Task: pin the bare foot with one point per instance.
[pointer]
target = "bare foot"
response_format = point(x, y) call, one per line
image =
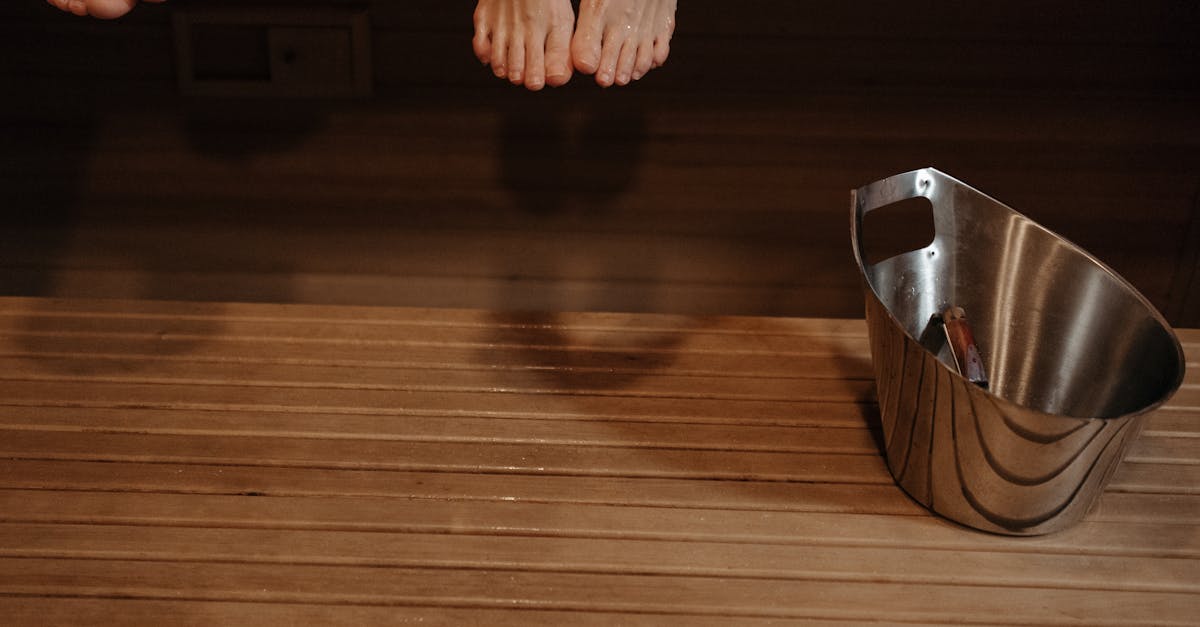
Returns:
point(103, 9)
point(621, 40)
point(526, 41)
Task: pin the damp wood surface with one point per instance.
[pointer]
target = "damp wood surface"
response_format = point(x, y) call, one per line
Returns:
point(218, 463)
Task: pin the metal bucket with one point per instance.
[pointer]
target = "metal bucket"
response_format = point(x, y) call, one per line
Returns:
point(1076, 359)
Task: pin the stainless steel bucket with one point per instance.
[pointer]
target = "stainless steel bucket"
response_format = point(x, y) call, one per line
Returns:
point(1076, 358)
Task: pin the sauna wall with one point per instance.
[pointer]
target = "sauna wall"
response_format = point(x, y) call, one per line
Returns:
point(718, 184)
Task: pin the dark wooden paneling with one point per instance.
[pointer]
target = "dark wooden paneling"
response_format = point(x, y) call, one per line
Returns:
point(718, 184)
point(1184, 303)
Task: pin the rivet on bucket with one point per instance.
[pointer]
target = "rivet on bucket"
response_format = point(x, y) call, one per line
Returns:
point(1075, 359)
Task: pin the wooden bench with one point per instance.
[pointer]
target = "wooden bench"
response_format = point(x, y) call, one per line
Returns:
point(218, 464)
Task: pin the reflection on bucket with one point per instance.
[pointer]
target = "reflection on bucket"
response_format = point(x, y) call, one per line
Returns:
point(1075, 359)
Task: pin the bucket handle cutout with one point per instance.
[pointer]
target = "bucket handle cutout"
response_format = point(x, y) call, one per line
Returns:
point(903, 199)
point(896, 229)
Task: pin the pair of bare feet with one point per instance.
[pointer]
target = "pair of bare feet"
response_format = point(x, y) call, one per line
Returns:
point(538, 42)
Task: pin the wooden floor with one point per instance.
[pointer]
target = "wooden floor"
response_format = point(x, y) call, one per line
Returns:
point(215, 464)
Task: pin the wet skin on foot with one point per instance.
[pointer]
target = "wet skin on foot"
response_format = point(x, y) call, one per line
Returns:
point(622, 40)
point(526, 41)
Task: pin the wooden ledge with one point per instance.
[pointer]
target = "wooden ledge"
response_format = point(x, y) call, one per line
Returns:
point(259, 464)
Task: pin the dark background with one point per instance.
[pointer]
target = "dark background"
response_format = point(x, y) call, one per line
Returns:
point(717, 184)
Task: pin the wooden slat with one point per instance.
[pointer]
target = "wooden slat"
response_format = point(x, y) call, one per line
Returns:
point(844, 412)
point(117, 349)
point(449, 457)
point(540, 554)
point(364, 326)
point(505, 518)
point(615, 491)
point(558, 591)
point(564, 431)
point(90, 370)
point(187, 613)
point(1117, 506)
point(416, 428)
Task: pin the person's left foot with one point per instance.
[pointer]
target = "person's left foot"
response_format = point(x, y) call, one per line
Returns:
point(103, 9)
point(621, 40)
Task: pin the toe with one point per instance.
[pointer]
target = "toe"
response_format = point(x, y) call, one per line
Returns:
point(663, 28)
point(482, 43)
point(644, 61)
point(585, 54)
point(662, 48)
point(607, 70)
point(483, 48)
point(500, 54)
point(558, 55)
point(76, 6)
point(535, 64)
point(516, 59)
point(589, 34)
point(626, 61)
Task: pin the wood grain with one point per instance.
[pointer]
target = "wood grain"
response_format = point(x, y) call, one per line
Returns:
point(242, 463)
point(717, 185)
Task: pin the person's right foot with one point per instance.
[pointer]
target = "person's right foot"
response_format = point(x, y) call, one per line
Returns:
point(621, 40)
point(526, 41)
